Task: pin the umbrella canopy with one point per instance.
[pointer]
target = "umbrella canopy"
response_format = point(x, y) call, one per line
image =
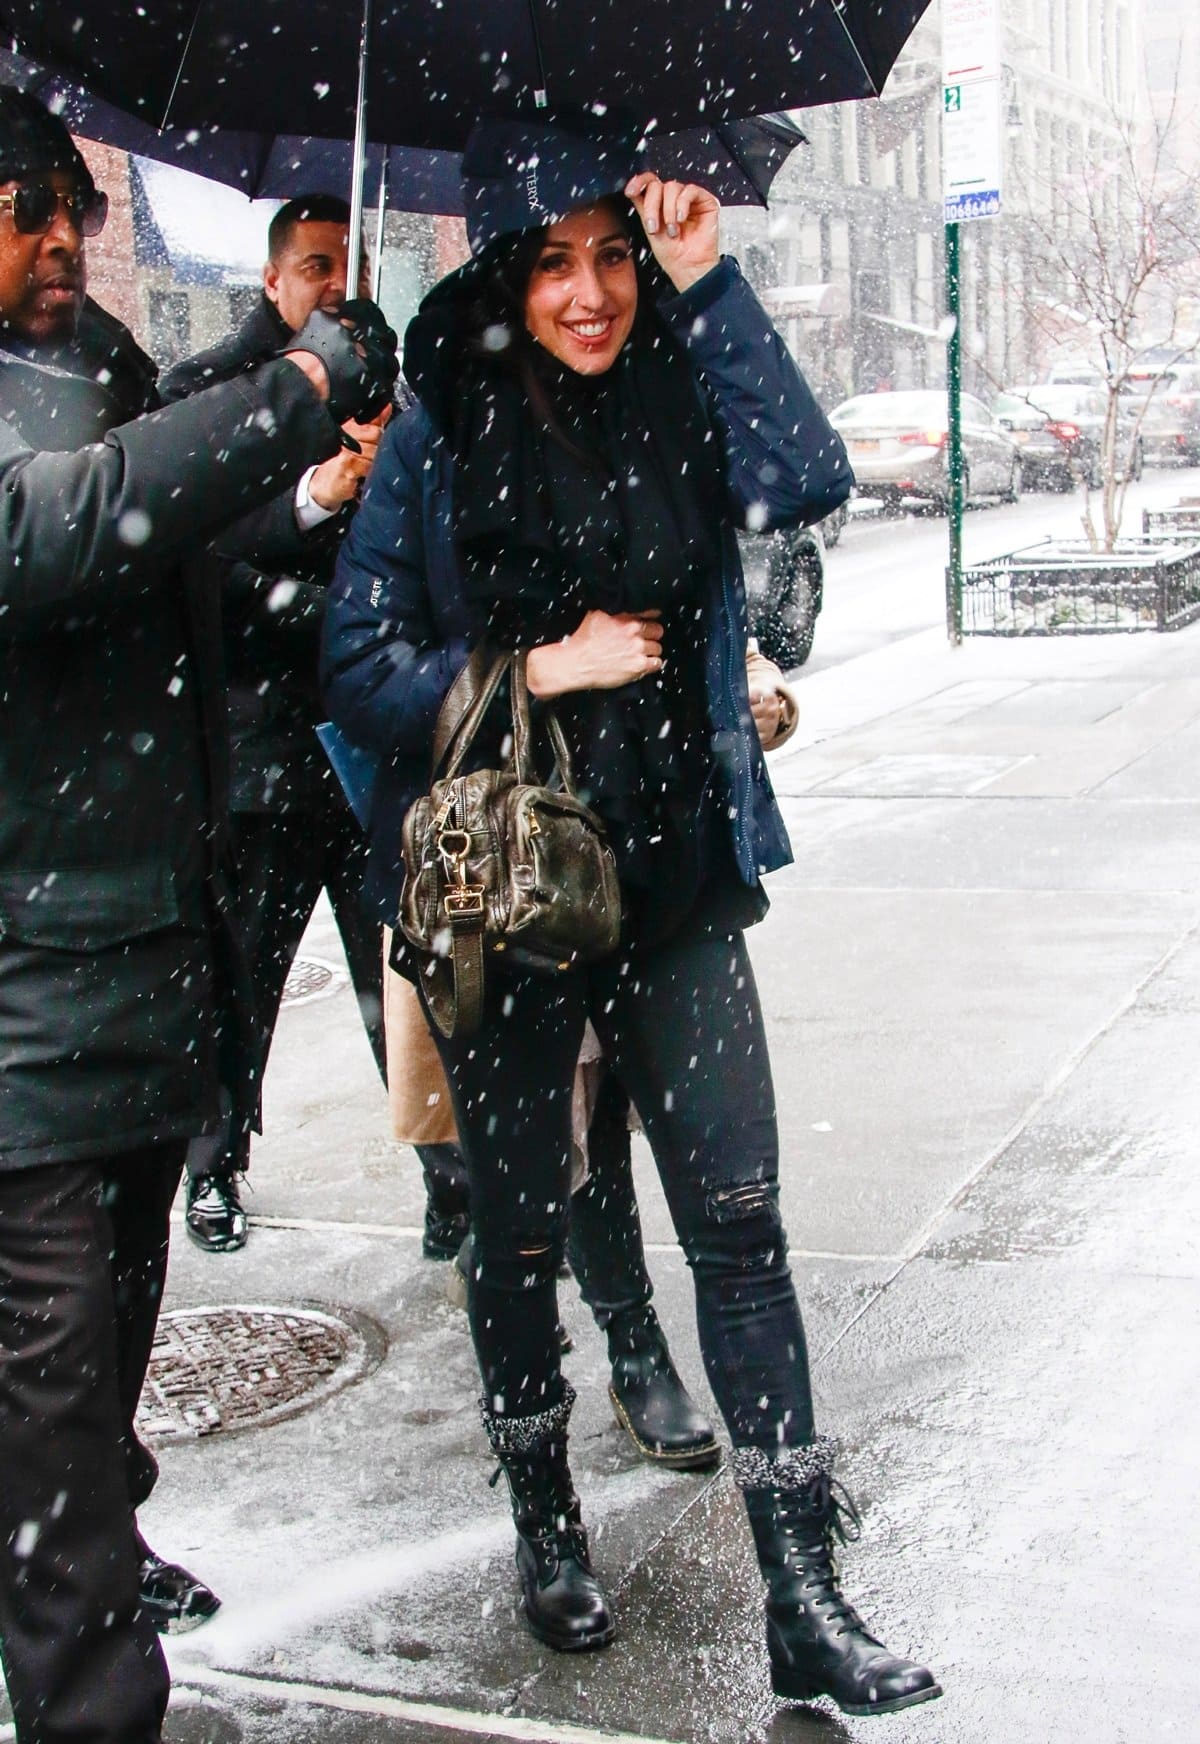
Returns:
point(738, 161)
point(435, 69)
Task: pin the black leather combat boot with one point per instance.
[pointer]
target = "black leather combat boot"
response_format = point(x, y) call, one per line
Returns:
point(819, 1645)
point(650, 1401)
point(564, 1602)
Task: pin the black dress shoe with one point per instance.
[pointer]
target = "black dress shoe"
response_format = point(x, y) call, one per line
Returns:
point(659, 1415)
point(174, 1599)
point(215, 1219)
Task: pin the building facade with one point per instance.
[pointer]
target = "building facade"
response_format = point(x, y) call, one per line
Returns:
point(860, 208)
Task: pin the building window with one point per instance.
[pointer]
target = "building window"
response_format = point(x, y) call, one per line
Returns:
point(170, 326)
point(243, 300)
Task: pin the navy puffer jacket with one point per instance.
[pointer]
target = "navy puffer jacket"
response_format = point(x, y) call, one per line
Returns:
point(396, 624)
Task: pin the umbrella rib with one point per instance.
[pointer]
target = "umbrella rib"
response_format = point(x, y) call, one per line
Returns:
point(839, 8)
point(542, 95)
point(182, 62)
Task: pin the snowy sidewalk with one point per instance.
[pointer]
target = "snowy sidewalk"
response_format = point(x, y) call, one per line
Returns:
point(981, 979)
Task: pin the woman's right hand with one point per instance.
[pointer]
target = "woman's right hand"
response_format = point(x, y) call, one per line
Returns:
point(605, 652)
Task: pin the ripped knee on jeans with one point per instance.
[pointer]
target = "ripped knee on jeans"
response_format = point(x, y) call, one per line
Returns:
point(751, 1235)
point(739, 1201)
point(519, 1259)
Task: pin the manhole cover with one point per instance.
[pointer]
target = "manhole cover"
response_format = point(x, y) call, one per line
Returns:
point(215, 1369)
point(311, 978)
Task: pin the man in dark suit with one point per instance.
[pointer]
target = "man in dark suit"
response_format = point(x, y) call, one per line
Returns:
point(294, 835)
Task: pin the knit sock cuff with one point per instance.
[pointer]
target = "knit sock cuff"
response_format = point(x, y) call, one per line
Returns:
point(784, 1468)
point(523, 1434)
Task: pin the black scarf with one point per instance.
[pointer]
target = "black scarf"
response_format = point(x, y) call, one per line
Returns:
point(606, 495)
point(602, 492)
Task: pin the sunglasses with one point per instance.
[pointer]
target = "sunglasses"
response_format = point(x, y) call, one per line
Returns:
point(34, 207)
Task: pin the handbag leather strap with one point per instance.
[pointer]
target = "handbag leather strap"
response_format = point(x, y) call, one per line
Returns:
point(468, 700)
point(466, 964)
point(465, 702)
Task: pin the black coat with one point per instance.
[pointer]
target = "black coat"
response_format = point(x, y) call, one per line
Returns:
point(272, 624)
point(113, 746)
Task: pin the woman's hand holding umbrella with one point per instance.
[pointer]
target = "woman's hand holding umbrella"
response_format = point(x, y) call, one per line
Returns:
point(682, 225)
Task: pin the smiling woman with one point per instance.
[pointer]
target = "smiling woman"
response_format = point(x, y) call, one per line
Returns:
point(582, 294)
point(600, 402)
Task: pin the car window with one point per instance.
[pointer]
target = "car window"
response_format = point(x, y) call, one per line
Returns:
point(975, 410)
point(1055, 401)
point(897, 411)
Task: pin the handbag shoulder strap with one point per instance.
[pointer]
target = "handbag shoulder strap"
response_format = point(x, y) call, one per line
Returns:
point(468, 700)
point(523, 731)
point(465, 705)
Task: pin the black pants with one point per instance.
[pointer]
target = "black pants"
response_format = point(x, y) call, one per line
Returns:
point(682, 1031)
point(604, 1237)
point(284, 860)
point(83, 1257)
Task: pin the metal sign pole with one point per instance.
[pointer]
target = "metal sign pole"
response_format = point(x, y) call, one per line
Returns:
point(954, 452)
point(972, 165)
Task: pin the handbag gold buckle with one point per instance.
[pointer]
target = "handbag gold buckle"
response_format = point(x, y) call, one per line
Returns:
point(464, 901)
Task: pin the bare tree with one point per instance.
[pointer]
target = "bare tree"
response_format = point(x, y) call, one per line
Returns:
point(1112, 248)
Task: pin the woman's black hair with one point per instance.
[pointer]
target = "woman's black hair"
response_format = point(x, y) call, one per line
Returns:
point(494, 329)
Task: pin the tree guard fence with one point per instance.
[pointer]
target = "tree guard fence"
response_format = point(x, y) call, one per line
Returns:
point(1062, 587)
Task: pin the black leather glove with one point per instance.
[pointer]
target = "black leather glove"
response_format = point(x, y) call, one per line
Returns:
point(360, 360)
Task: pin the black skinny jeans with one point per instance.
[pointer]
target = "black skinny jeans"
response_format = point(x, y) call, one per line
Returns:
point(682, 1030)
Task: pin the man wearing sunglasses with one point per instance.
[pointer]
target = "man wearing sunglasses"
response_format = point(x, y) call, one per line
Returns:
point(115, 943)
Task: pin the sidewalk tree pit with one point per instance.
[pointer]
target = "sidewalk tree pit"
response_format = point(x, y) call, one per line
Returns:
point(1065, 587)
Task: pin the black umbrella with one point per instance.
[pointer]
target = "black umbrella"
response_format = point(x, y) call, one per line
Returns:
point(266, 67)
point(738, 161)
point(427, 70)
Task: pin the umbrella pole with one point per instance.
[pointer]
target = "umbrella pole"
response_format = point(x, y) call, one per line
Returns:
point(358, 168)
point(377, 262)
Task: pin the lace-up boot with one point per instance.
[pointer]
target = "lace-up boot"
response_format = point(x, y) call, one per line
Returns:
point(564, 1602)
point(818, 1643)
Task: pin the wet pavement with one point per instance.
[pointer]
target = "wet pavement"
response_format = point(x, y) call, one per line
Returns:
point(982, 983)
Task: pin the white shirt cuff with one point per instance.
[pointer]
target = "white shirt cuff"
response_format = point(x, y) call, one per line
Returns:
point(308, 513)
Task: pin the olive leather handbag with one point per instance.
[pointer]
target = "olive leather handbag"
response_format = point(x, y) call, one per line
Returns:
point(498, 868)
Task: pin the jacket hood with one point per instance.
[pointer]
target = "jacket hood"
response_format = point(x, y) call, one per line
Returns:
point(517, 176)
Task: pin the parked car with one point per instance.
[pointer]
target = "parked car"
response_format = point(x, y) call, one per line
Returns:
point(897, 443)
point(1075, 372)
point(1167, 399)
point(1059, 430)
point(785, 585)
